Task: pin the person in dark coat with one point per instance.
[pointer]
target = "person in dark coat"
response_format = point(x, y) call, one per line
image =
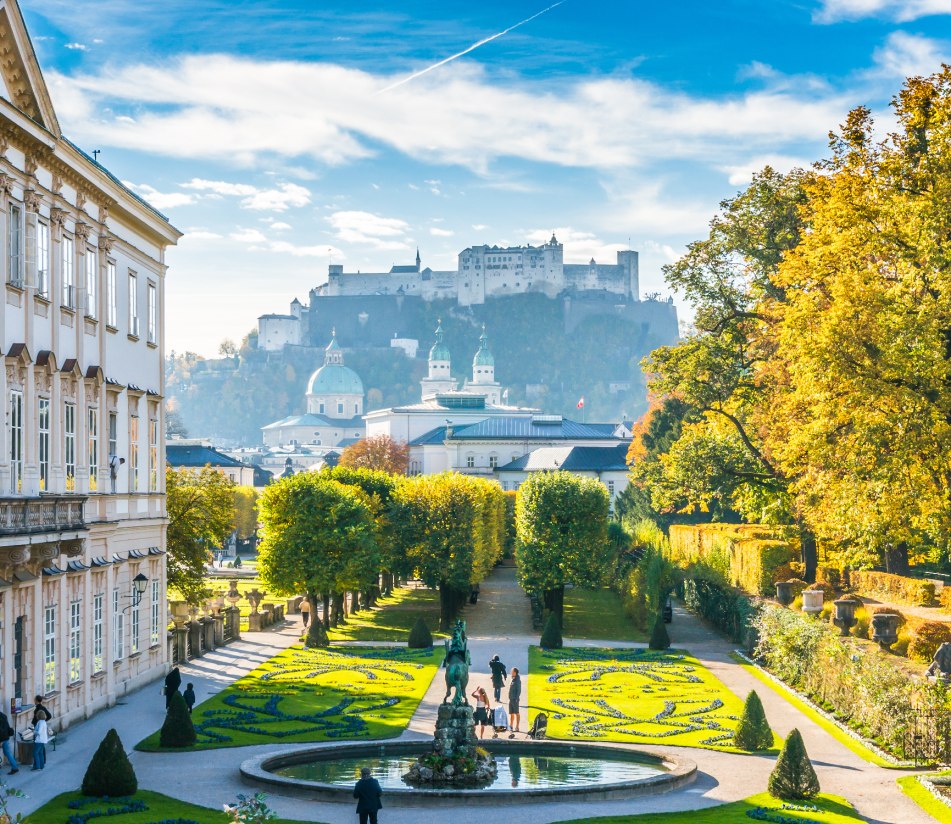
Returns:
point(7, 739)
point(498, 676)
point(515, 695)
point(172, 682)
point(367, 792)
point(40, 713)
point(189, 696)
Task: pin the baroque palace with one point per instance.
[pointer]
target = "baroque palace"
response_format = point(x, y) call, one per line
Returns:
point(82, 513)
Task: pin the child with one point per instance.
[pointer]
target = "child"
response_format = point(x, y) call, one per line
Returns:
point(189, 696)
point(40, 737)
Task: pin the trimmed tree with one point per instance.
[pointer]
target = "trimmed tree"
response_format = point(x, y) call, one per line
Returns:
point(561, 522)
point(551, 634)
point(793, 777)
point(753, 732)
point(659, 637)
point(110, 772)
point(178, 730)
point(419, 636)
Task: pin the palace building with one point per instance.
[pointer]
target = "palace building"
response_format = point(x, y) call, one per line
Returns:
point(83, 612)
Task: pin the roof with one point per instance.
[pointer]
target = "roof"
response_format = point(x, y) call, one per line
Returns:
point(439, 352)
point(335, 379)
point(194, 455)
point(404, 270)
point(483, 357)
point(310, 419)
point(537, 427)
point(571, 459)
point(434, 436)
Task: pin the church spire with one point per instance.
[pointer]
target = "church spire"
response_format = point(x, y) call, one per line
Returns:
point(418, 259)
point(333, 353)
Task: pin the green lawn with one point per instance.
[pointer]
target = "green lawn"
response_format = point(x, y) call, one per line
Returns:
point(597, 615)
point(632, 695)
point(316, 695)
point(914, 789)
point(392, 618)
point(159, 808)
point(827, 809)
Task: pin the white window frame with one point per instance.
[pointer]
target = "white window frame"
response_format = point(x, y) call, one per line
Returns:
point(68, 271)
point(15, 245)
point(152, 308)
point(69, 444)
point(75, 642)
point(16, 440)
point(92, 281)
point(112, 318)
point(98, 634)
point(92, 430)
point(49, 648)
point(118, 628)
point(153, 454)
point(44, 412)
point(133, 453)
point(43, 259)
point(156, 613)
point(136, 625)
point(133, 304)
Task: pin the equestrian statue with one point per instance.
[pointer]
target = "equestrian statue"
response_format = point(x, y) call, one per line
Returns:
point(457, 663)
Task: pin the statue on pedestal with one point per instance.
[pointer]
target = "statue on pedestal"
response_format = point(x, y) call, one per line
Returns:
point(457, 663)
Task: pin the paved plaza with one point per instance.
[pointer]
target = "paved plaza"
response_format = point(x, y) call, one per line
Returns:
point(499, 624)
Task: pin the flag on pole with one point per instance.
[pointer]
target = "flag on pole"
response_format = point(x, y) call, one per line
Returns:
point(581, 403)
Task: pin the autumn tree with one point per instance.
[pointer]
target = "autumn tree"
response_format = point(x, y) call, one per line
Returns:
point(378, 452)
point(200, 509)
point(561, 522)
point(245, 512)
point(319, 536)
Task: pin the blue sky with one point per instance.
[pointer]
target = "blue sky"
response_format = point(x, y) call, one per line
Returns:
point(268, 132)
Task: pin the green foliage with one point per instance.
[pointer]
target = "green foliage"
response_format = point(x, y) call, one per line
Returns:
point(926, 638)
point(753, 732)
point(793, 777)
point(110, 772)
point(726, 608)
point(659, 637)
point(245, 511)
point(897, 589)
point(178, 729)
point(551, 634)
point(648, 583)
point(419, 636)
point(201, 514)
point(250, 809)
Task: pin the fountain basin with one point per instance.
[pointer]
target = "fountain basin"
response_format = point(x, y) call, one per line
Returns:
point(549, 771)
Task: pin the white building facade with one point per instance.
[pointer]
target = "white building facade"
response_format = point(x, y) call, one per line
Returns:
point(82, 511)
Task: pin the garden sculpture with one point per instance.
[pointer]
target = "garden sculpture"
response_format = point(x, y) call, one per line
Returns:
point(457, 663)
point(940, 668)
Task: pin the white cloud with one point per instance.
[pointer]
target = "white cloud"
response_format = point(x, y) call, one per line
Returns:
point(77, 46)
point(280, 199)
point(160, 200)
point(479, 227)
point(437, 232)
point(200, 234)
point(248, 236)
point(220, 187)
point(366, 228)
point(580, 246)
point(901, 11)
point(283, 247)
point(280, 226)
point(230, 108)
point(905, 55)
point(742, 173)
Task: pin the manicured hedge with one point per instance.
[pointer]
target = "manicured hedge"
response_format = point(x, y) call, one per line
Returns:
point(729, 610)
point(895, 588)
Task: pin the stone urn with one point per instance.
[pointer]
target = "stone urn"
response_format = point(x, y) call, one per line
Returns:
point(254, 598)
point(812, 601)
point(844, 616)
point(784, 592)
point(885, 628)
point(233, 595)
point(179, 611)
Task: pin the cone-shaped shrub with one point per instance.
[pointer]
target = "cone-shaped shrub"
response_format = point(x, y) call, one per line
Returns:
point(753, 732)
point(793, 777)
point(551, 634)
point(419, 636)
point(178, 730)
point(659, 637)
point(110, 773)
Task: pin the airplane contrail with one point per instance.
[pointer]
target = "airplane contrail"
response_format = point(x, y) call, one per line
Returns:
point(471, 48)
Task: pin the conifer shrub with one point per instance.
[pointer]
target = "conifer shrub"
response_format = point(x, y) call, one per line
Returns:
point(793, 777)
point(178, 730)
point(419, 636)
point(551, 634)
point(753, 732)
point(659, 637)
point(110, 772)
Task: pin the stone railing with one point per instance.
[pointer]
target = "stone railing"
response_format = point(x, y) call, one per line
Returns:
point(48, 513)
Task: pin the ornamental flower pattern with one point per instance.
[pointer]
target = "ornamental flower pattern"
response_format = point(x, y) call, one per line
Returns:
point(636, 694)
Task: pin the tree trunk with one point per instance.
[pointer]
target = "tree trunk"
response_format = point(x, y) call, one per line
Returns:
point(326, 610)
point(896, 558)
point(450, 600)
point(386, 583)
point(354, 602)
point(809, 553)
point(316, 632)
point(338, 616)
point(555, 602)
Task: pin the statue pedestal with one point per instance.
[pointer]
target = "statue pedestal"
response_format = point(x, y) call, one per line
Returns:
point(455, 759)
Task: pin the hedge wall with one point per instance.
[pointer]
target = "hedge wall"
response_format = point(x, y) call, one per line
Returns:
point(753, 554)
point(895, 588)
point(726, 608)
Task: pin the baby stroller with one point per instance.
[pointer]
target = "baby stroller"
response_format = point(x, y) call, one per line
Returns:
point(500, 721)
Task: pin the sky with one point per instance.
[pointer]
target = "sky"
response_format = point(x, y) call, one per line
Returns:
point(284, 135)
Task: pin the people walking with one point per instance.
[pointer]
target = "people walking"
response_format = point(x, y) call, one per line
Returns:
point(41, 736)
point(515, 695)
point(7, 739)
point(305, 611)
point(172, 682)
point(481, 714)
point(40, 711)
point(367, 791)
point(189, 696)
point(499, 673)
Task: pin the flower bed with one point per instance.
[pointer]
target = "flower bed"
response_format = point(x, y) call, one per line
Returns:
point(316, 695)
point(633, 695)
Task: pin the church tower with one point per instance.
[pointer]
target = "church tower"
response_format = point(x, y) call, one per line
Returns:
point(439, 378)
point(483, 373)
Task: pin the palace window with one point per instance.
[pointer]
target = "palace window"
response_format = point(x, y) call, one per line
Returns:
point(113, 434)
point(16, 441)
point(49, 649)
point(69, 432)
point(97, 632)
point(68, 262)
point(153, 314)
point(134, 633)
point(133, 304)
point(43, 420)
point(15, 246)
point(75, 638)
point(153, 454)
point(493, 461)
point(118, 628)
point(92, 278)
point(470, 461)
point(134, 453)
point(113, 306)
point(93, 431)
point(43, 259)
point(156, 614)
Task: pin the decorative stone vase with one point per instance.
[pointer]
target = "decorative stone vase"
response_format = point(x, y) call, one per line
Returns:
point(254, 598)
point(180, 611)
point(844, 617)
point(233, 596)
point(784, 592)
point(885, 629)
point(812, 601)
